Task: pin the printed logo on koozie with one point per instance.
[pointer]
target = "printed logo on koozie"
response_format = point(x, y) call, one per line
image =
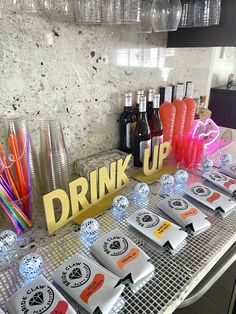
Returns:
point(215, 176)
point(147, 220)
point(37, 299)
point(115, 246)
point(76, 275)
point(177, 204)
point(233, 168)
point(200, 190)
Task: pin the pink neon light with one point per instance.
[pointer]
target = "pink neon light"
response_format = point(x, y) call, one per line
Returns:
point(205, 123)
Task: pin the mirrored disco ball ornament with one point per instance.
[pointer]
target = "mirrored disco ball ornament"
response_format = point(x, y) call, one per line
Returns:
point(8, 240)
point(89, 230)
point(225, 159)
point(141, 190)
point(31, 265)
point(119, 207)
point(206, 165)
point(181, 176)
point(167, 181)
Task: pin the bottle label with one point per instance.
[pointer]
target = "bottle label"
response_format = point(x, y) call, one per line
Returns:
point(130, 134)
point(143, 146)
point(156, 140)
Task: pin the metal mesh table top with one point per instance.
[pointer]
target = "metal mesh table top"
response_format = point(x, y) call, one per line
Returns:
point(174, 276)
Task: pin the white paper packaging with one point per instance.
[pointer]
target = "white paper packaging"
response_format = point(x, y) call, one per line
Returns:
point(184, 213)
point(90, 285)
point(210, 197)
point(229, 170)
point(39, 296)
point(122, 256)
point(222, 181)
point(159, 230)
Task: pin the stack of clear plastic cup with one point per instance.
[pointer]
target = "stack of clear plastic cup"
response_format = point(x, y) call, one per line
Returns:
point(207, 13)
point(15, 125)
point(88, 11)
point(53, 156)
point(112, 11)
point(187, 16)
point(146, 17)
point(57, 9)
point(132, 11)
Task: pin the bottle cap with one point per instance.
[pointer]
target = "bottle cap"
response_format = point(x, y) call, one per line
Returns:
point(142, 104)
point(168, 93)
point(139, 94)
point(179, 91)
point(128, 94)
point(189, 89)
point(156, 101)
point(151, 92)
point(128, 101)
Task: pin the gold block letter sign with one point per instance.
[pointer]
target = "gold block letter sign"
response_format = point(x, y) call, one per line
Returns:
point(84, 195)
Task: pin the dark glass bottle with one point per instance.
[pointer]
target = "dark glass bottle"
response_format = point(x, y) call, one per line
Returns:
point(127, 125)
point(142, 134)
point(155, 123)
point(139, 94)
point(151, 93)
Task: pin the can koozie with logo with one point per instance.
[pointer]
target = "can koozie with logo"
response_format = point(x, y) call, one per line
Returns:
point(210, 197)
point(222, 181)
point(184, 213)
point(229, 170)
point(89, 284)
point(39, 296)
point(159, 230)
point(122, 256)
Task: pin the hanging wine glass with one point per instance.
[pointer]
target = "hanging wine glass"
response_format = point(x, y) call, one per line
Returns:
point(166, 15)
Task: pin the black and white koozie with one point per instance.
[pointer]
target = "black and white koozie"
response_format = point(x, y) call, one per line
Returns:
point(159, 230)
point(222, 181)
point(39, 296)
point(122, 256)
point(229, 170)
point(184, 213)
point(89, 284)
point(210, 197)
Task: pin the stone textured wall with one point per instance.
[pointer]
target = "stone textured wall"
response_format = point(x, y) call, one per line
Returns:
point(80, 73)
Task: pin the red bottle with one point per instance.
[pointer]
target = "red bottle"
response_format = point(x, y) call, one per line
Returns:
point(180, 115)
point(167, 114)
point(191, 108)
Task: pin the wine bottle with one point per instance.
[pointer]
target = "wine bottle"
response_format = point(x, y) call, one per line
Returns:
point(167, 114)
point(151, 93)
point(127, 125)
point(139, 94)
point(155, 123)
point(191, 108)
point(181, 110)
point(142, 134)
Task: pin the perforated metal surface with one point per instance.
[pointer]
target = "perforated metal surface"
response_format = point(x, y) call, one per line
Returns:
point(175, 275)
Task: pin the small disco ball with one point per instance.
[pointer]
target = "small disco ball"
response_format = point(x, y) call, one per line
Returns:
point(8, 240)
point(225, 159)
point(167, 181)
point(181, 176)
point(120, 202)
point(206, 165)
point(31, 265)
point(89, 228)
point(141, 190)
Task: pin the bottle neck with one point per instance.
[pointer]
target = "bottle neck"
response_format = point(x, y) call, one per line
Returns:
point(127, 108)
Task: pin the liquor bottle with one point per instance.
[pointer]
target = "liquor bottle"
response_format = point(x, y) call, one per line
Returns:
point(127, 125)
point(191, 108)
point(155, 123)
point(139, 94)
point(151, 93)
point(167, 114)
point(142, 134)
point(181, 110)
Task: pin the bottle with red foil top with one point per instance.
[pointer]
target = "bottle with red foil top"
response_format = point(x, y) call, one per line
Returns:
point(180, 115)
point(167, 114)
point(191, 108)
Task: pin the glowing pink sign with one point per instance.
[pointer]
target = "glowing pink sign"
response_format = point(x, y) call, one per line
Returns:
point(206, 130)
